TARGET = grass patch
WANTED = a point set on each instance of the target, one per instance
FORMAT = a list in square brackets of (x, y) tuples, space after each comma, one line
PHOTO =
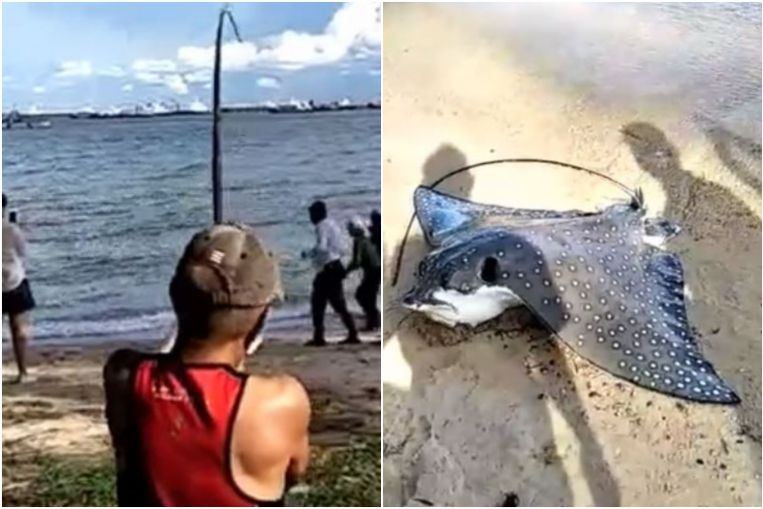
[(68, 482), (349, 476)]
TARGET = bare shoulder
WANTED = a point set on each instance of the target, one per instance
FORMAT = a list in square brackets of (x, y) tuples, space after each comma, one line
[(278, 396)]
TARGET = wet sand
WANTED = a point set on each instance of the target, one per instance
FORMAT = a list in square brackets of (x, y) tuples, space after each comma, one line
[(481, 417), (59, 413)]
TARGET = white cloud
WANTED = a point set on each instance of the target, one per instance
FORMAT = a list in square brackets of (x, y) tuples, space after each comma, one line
[(269, 82), (236, 56), (127, 87), (7, 79), (374, 72), (154, 66), (39, 89), (353, 32), (113, 71), (176, 83), (173, 81), (74, 69), (149, 77), (198, 76), (167, 73)]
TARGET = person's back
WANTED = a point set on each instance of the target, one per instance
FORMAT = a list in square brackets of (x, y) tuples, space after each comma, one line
[(375, 230), (183, 454), (189, 428), (13, 256), (367, 255)]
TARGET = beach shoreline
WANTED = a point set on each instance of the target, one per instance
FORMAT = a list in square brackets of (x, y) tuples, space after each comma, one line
[(57, 416), (507, 412)]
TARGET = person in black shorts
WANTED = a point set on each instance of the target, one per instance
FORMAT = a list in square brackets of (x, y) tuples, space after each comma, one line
[(18, 300)]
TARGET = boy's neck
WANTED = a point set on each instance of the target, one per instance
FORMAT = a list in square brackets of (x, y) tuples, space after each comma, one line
[(231, 352)]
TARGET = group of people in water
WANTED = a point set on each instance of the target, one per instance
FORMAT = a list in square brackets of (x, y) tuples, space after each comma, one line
[(326, 256), (187, 425), (328, 287)]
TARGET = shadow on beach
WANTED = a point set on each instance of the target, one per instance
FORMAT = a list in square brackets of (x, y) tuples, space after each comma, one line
[(742, 156), (443, 363), (721, 251)]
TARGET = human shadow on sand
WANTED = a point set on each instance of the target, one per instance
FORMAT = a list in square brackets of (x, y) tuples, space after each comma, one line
[(724, 235), (515, 366), (742, 156)]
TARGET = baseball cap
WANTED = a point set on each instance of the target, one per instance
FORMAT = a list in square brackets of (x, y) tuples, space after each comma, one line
[(356, 226), (225, 266)]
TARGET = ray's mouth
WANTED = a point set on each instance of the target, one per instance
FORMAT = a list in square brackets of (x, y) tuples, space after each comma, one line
[(411, 302)]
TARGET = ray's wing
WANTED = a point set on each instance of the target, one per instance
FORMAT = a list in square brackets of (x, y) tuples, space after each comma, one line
[(441, 215), (613, 300)]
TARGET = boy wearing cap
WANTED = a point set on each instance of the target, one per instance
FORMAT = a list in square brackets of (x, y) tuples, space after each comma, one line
[(328, 283), (18, 300), (190, 427)]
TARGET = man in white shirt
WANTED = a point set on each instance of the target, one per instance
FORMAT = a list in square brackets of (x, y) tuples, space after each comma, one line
[(327, 285), (17, 295)]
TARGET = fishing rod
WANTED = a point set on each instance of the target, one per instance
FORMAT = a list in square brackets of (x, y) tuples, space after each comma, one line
[(217, 161), (637, 198)]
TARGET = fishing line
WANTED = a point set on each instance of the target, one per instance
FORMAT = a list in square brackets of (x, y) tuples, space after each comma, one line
[(636, 197)]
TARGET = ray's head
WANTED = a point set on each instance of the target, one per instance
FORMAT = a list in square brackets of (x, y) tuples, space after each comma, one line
[(465, 283)]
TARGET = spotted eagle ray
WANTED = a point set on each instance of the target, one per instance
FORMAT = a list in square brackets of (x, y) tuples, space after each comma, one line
[(600, 281)]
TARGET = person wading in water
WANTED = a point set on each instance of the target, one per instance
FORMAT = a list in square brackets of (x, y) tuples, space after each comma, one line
[(18, 300), (375, 230), (327, 285), (365, 257), (191, 427)]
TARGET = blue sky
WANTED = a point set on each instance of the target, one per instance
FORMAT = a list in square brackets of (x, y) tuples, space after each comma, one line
[(59, 56)]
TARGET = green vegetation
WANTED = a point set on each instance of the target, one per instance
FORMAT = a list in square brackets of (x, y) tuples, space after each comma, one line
[(68, 482), (348, 476)]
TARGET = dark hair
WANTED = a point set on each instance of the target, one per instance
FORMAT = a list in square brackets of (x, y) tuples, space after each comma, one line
[(5, 201), (375, 217), (317, 211)]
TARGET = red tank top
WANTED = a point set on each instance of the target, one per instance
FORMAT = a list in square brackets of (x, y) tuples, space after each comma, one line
[(187, 463)]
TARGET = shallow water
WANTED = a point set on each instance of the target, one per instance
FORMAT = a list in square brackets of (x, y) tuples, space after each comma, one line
[(108, 205), (702, 58)]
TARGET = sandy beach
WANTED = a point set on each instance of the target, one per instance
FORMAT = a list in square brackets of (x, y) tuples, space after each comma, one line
[(57, 418), (506, 415)]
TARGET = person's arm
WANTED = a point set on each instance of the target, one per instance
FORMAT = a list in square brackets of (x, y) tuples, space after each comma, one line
[(18, 242), (297, 413), (356, 256), (117, 383)]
